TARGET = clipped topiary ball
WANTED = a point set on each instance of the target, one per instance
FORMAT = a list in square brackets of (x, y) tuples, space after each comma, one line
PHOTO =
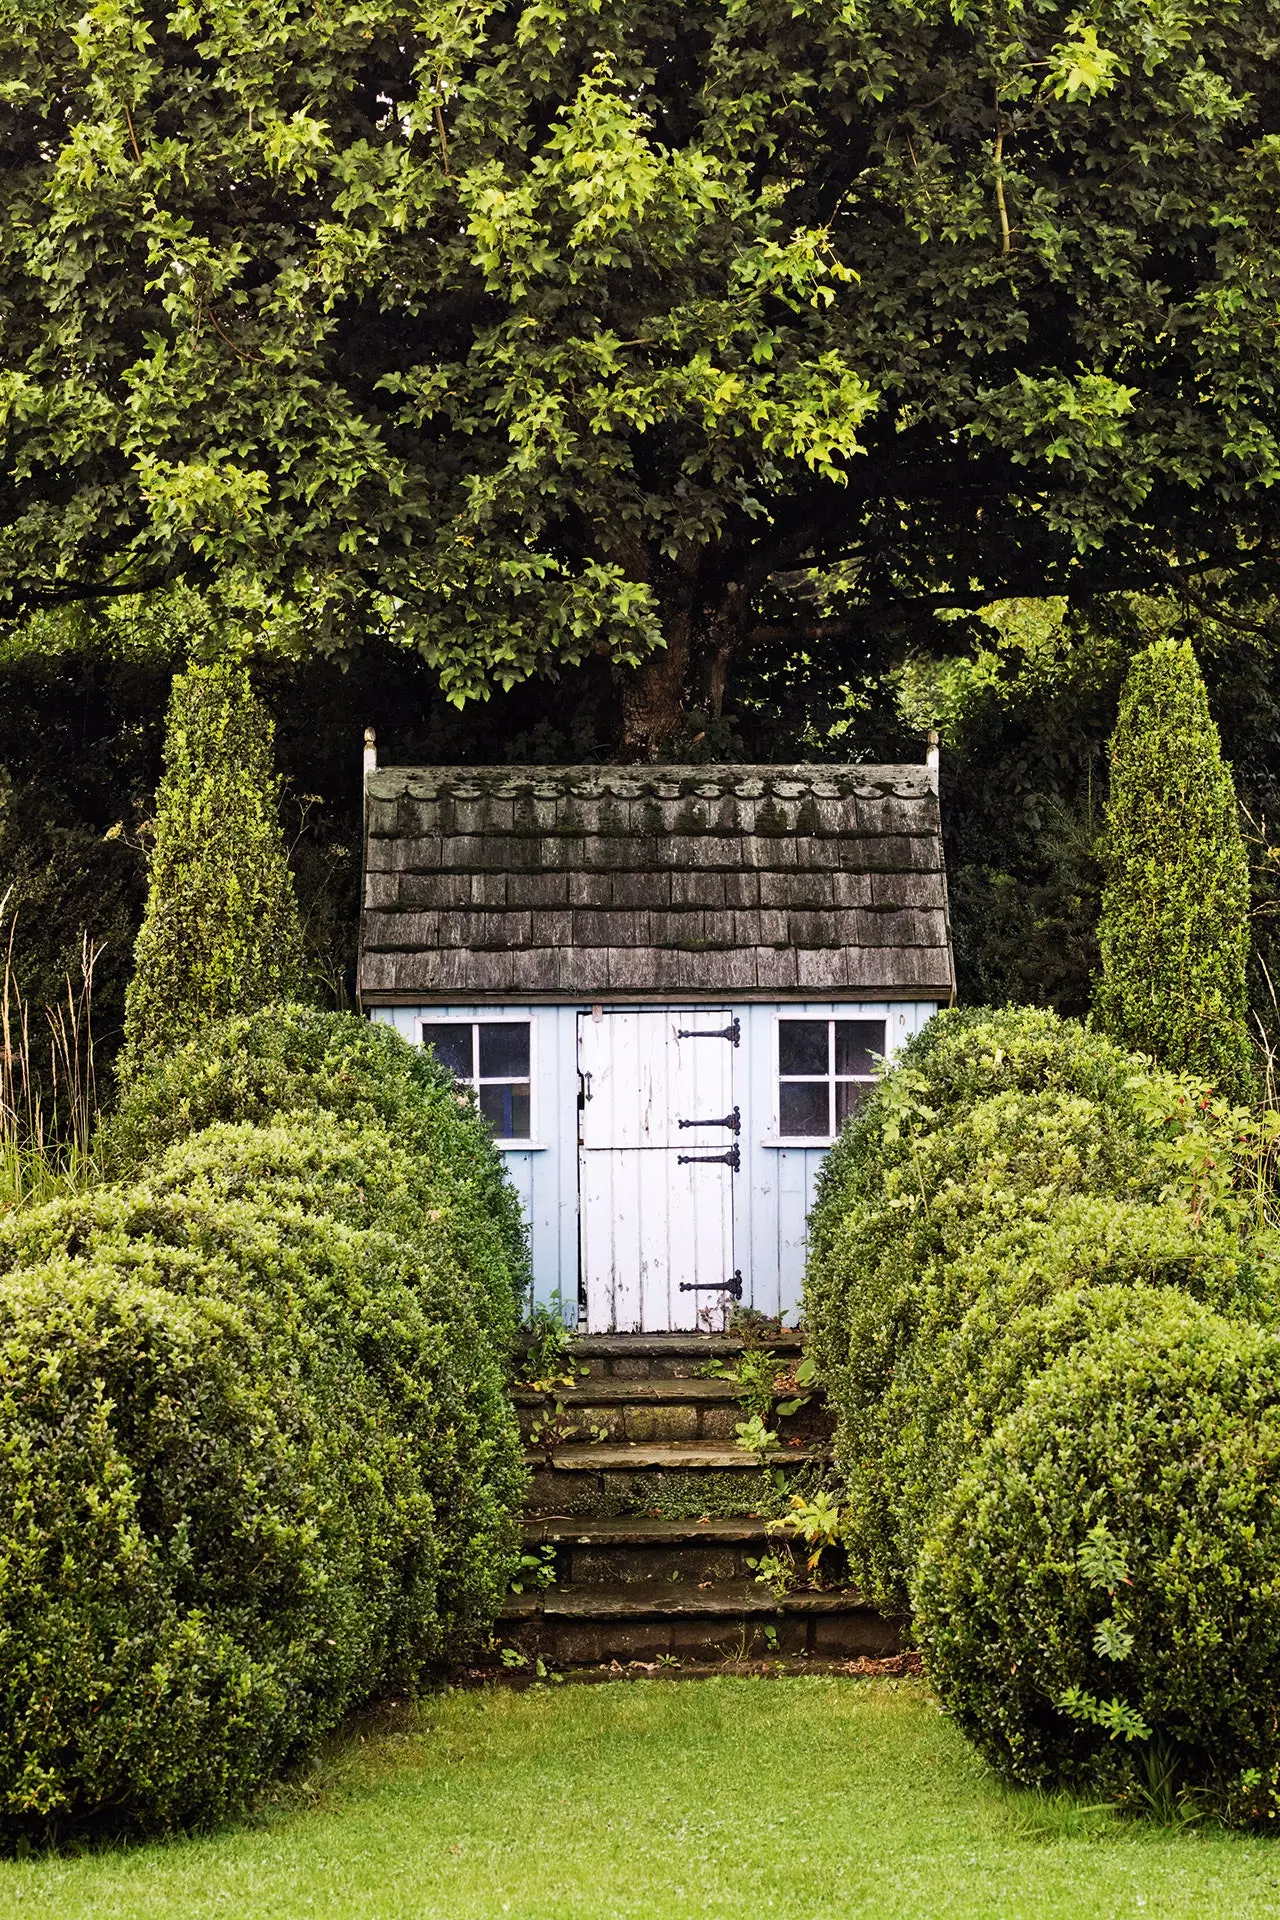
[(1103, 1586), (1002, 1312), (181, 1606), (293, 1060)]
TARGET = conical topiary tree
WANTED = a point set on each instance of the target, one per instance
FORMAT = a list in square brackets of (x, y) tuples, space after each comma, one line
[(1174, 931), (221, 933)]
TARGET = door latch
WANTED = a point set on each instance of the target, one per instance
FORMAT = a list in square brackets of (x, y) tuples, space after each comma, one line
[(731, 1120), (731, 1159)]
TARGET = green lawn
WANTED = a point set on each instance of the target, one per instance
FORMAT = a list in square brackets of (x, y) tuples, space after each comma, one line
[(805, 1798)]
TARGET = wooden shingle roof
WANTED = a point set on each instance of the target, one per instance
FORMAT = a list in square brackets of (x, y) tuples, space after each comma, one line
[(636, 883)]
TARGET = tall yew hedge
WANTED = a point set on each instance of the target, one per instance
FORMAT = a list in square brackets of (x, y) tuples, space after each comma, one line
[(221, 933), (1174, 931)]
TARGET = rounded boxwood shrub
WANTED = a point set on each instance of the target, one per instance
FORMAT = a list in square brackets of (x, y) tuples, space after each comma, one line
[(875, 1187), (183, 1567), (324, 1504), (301, 1225), (998, 1314), (1103, 1585), (989, 1124), (294, 1060)]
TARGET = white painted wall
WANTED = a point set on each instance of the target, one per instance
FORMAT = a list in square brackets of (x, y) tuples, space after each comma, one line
[(774, 1190)]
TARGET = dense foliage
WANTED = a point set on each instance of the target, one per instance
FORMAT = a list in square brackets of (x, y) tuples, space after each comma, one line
[(258, 1458), (521, 331), (1100, 1600), (220, 934), (291, 1061), (1174, 932), (989, 1121), (1017, 1191)]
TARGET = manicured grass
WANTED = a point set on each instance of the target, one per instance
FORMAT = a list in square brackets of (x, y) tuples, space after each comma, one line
[(804, 1798)]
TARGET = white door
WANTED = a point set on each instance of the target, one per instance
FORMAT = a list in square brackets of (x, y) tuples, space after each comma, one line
[(658, 1150)]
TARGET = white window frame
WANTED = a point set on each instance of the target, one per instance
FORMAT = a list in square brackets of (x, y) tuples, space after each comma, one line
[(817, 1079), (510, 1144)]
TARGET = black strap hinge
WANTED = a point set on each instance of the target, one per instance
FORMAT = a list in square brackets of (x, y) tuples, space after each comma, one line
[(732, 1287), (732, 1032), (731, 1159), (731, 1120)]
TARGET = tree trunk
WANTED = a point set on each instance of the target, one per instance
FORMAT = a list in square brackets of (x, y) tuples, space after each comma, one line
[(701, 642), (725, 632), (653, 697)]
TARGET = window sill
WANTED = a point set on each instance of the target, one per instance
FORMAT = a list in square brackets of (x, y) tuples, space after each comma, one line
[(817, 1140), (521, 1146)]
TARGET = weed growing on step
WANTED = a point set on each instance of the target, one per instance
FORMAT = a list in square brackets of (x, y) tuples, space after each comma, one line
[(759, 1382), (546, 1349), (536, 1570), (556, 1427), (753, 1436), (777, 1571), (817, 1522)]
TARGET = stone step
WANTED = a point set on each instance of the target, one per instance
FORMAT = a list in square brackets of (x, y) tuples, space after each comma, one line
[(602, 1479), (726, 1619), (639, 1548), (638, 1529), (603, 1393), (675, 1455), (624, 1410), (667, 1356), (665, 1411)]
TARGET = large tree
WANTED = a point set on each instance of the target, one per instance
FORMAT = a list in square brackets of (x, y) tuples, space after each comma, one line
[(651, 327)]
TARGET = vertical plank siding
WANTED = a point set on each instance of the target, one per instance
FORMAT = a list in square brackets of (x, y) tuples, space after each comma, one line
[(771, 1195), (656, 1202)]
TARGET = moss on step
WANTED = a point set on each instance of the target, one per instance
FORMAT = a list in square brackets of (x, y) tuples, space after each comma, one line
[(687, 1496)]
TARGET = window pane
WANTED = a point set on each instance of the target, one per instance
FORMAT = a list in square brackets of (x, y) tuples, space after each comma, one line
[(802, 1047), (506, 1108), (504, 1049), (856, 1041), (451, 1042), (802, 1109), (848, 1094)]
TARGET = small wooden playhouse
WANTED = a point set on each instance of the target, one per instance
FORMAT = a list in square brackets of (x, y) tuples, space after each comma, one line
[(668, 986)]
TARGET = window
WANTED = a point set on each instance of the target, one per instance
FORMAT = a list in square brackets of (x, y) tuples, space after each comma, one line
[(824, 1067), (493, 1057)]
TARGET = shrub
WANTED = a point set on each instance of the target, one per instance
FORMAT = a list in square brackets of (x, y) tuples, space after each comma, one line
[(182, 1594), (1174, 931), (221, 933), (988, 1321), (1102, 1588), (294, 1060), (1000, 1313), (292, 1220), (962, 1058), (989, 1123), (257, 1460)]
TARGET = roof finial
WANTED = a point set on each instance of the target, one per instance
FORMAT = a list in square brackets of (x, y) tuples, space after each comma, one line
[(370, 752), (931, 758)]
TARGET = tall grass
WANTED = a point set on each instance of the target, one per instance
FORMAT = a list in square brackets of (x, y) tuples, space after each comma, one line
[(48, 1085)]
